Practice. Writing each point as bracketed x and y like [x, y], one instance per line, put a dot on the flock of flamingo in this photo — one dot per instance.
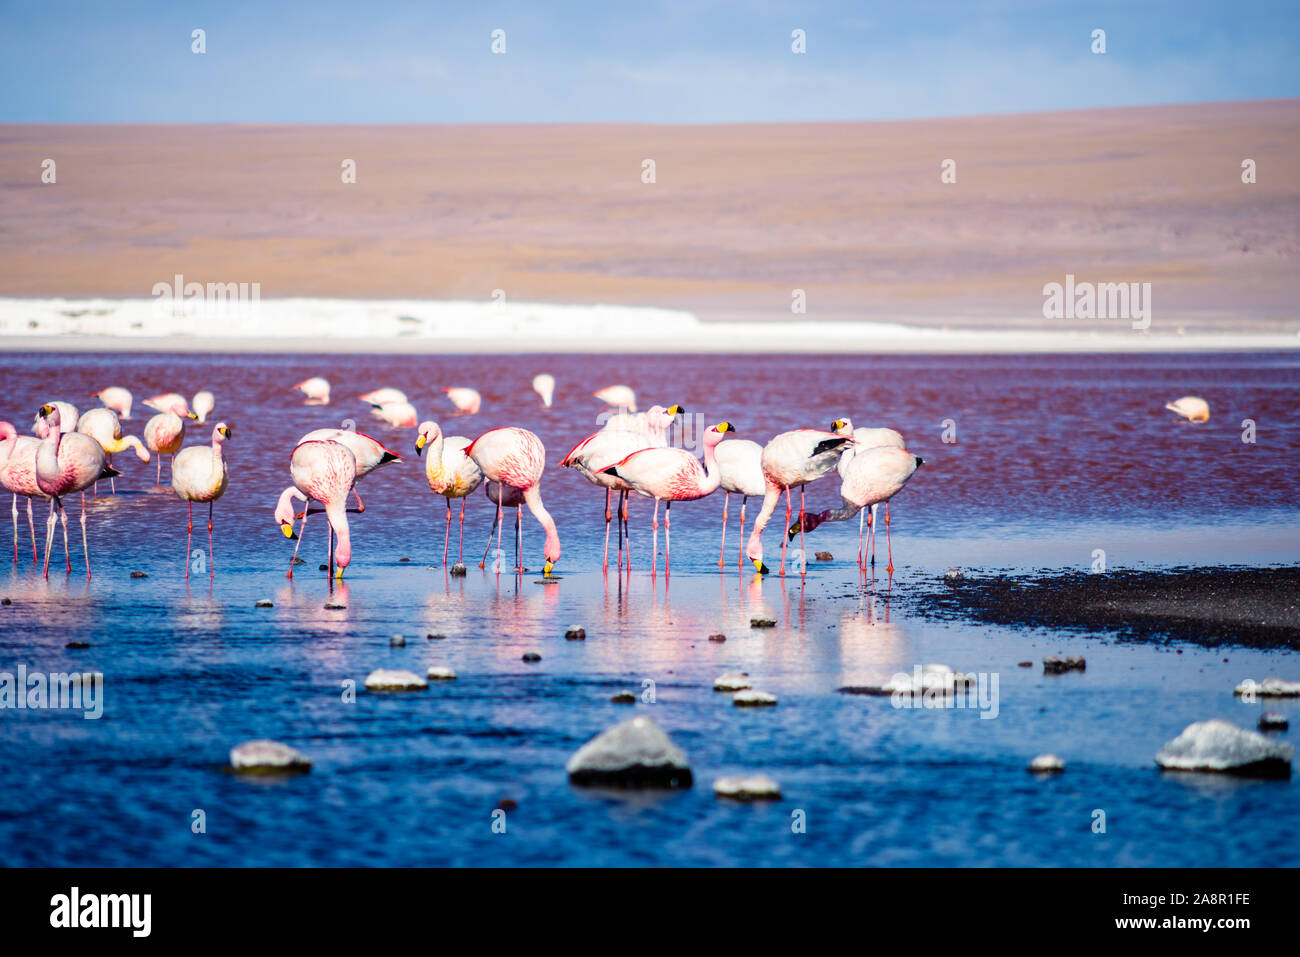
[69, 453]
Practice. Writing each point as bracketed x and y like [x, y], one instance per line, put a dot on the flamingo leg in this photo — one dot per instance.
[802, 546]
[888, 545]
[212, 565]
[627, 531]
[785, 538]
[49, 538]
[157, 481]
[654, 554]
[67, 554]
[31, 527]
[499, 531]
[460, 549]
[15, 509]
[360, 506]
[483, 563]
[189, 536]
[871, 529]
[329, 566]
[722, 544]
[668, 537]
[85, 546]
[446, 537]
[519, 539]
[608, 516]
[302, 528]
[619, 517]
[741, 560]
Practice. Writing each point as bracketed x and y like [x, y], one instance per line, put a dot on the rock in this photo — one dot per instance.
[953, 575]
[753, 699]
[732, 681]
[1025, 664]
[624, 697]
[576, 633]
[139, 575]
[922, 678]
[635, 754]
[1053, 665]
[6, 601]
[298, 561]
[264, 603]
[335, 606]
[718, 637]
[441, 673]
[433, 637]
[762, 623]
[507, 804]
[459, 571]
[1272, 721]
[531, 656]
[262, 756]
[821, 557]
[323, 568]
[403, 559]
[78, 644]
[1047, 764]
[1222, 747]
[397, 641]
[750, 787]
[384, 679]
[1269, 688]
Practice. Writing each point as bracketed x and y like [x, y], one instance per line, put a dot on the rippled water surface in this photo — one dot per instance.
[1055, 458]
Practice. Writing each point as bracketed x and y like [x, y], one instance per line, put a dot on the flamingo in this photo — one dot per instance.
[316, 390]
[400, 415]
[873, 476]
[117, 399]
[673, 475]
[199, 474]
[450, 473]
[203, 404]
[791, 459]
[369, 453]
[67, 463]
[864, 439]
[103, 426]
[598, 451]
[544, 386]
[466, 400]
[322, 472]
[165, 432]
[618, 396]
[1191, 407]
[68, 417]
[740, 464]
[516, 457]
[18, 475]
[165, 402]
[507, 497]
[384, 396]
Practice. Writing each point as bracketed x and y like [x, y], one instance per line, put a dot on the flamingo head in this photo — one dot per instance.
[842, 426]
[183, 411]
[754, 552]
[8, 433]
[221, 433]
[284, 512]
[429, 433]
[49, 417]
[716, 433]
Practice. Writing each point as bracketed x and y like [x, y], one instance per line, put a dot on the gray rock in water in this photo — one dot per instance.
[1047, 764]
[732, 681]
[623, 697]
[718, 636]
[749, 787]
[459, 571]
[397, 641]
[441, 673]
[1272, 721]
[531, 656]
[1053, 665]
[633, 754]
[139, 575]
[433, 637]
[953, 575]
[262, 756]
[753, 699]
[335, 606]
[264, 603]
[576, 633]
[385, 679]
[821, 557]
[78, 644]
[1222, 747]
[762, 623]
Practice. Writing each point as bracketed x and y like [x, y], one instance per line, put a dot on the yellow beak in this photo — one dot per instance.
[287, 528]
[419, 443]
[546, 569]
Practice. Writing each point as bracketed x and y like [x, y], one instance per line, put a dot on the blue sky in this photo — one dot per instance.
[693, 61]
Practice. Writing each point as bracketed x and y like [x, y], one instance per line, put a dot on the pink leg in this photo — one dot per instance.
[446, 537]
[85, 547]
[668, 538]
[212, 565]
[360, 507]
[460, 551]
[157, 482]
[741, 560]
[499, 529]
[16, 527]
[627, 533]
[67, 553]
[31, 527]
[802, 546]
[784, 537]
[329, 565]
[608, 516]
[189, 535]
[654, 554]
[722, 545]
[519, 539]
[49, 538]
[888, 544]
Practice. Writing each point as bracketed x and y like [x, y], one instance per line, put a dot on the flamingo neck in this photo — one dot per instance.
[284, 507]
[337, 514]
[533, 499]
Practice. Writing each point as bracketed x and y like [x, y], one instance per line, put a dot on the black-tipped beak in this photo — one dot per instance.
[762, 569]
[919, 461]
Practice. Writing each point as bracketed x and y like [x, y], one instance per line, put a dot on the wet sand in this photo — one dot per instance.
[1250, 607]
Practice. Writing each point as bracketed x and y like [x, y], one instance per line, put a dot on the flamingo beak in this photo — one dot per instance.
[676, 410]
[837, 425]
[760, 567]
[190, 415]
[338, 573]
[419, 444]
[287, 528]
[225, 431]
[46, 409]
[546, 569]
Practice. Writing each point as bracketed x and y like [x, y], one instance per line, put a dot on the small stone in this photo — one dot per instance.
[822, 557]
[1052, 665]
[749, 787]
[264, 603]
[324, 568]
[397, 641]
[459, 571]
[262, 756]
[576, 633]
[1269, 688]
[78, 644]
[933, 678]
[139, 575]
[531, 656]
[1047, 764]
[384, 679]
[507, 804]
[403, 559]
[441, 673]
[1224, 748]
[753, 699]
[624, 697]
[718, 637]
[953, 575]
[334, 606]
[762, 623]
[6, 601]
[433, 637]
[732, 681]
[1025, 664]
[298, 561]
[635, 754]
[1272, 721]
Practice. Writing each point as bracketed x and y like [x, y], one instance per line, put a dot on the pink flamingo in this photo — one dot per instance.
[673, 475]
[516, 457]
[67, 463]
[740, 463]
[203, 404]
[544, 386]
[384, 396]
[791, 459]
[323, 472]
[864, 439]
[400, 415]
[117, 399]
[873, 476]
[165, 432]
[618, 396]
[18, 475]
[166, 401]
[199, 474]
[370, 453]
[104, 427]
[450, 473]
[465, 400]
[316, 390]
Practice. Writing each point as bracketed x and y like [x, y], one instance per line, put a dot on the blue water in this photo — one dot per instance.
[1057, 456]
